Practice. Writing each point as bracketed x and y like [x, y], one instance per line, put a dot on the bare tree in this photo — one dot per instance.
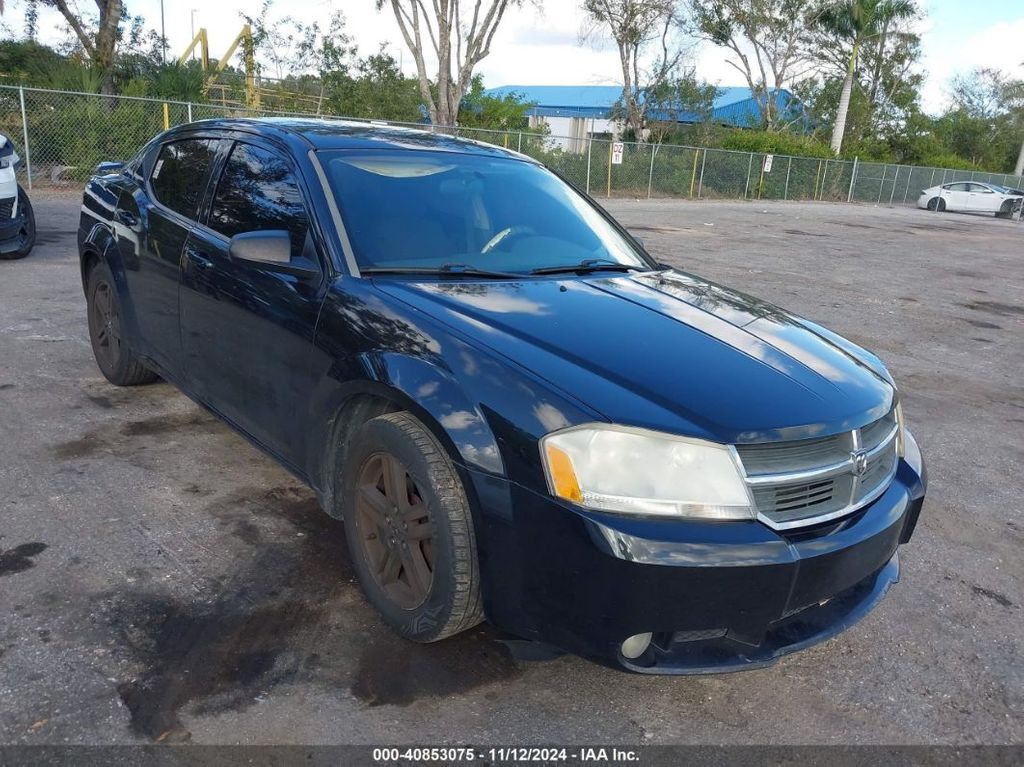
[99, 43]
[769, 41]
[647, 34]
[458, 35]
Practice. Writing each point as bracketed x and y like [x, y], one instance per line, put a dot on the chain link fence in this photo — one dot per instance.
[62, 135]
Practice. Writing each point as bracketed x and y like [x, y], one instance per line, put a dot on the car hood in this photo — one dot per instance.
[669, 351]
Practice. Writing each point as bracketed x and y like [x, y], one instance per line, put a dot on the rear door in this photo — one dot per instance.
[247, 328]
[956, 196]
[162, 211]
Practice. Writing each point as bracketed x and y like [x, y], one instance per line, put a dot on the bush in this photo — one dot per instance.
[772, 142]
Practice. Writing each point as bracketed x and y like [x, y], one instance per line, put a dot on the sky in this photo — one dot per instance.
[544, 48]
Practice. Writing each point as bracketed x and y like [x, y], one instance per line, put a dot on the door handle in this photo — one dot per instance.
[126, 218]
[199, 260]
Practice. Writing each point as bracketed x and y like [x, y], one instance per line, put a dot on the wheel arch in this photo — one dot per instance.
[458, 426]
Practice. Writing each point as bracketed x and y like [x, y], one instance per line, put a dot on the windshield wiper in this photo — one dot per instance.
[586, 267]
[445, 270]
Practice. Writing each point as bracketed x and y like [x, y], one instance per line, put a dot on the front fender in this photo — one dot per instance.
[486, 410]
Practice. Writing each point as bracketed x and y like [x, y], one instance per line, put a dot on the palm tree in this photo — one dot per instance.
[857, 22]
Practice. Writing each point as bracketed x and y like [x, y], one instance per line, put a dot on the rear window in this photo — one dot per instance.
[179, 174]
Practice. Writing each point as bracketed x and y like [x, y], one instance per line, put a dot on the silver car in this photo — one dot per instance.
[972, 197]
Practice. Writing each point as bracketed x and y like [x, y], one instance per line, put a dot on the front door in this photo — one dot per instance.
[247, 328]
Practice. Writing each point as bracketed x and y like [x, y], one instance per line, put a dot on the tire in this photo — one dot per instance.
[392, 535]
[115, 359]
[937, 204]
[27, 233]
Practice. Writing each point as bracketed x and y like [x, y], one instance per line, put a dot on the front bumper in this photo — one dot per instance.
[716, 596]
[10, 231]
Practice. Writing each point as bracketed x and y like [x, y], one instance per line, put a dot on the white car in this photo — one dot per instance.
[17, 220]
[972, 197]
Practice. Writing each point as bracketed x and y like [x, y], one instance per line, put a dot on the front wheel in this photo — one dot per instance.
[26, 237]
[410, 530]
[937, 204]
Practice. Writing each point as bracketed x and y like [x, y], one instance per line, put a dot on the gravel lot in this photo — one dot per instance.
[162, 579]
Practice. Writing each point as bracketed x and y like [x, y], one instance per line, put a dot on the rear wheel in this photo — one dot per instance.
[410, 530]
[115, 359]
[26, 237]
[937, 204]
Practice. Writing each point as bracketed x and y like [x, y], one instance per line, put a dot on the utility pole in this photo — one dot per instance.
[163, 35]
[1019, 170]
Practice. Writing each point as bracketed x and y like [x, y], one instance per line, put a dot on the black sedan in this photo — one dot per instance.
[517, 412]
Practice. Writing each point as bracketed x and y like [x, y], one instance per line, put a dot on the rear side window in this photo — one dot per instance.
[257, 191]
[179, 172]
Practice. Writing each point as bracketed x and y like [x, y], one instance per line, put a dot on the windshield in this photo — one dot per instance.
[430, 210]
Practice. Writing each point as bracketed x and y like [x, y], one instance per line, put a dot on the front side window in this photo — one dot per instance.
[425, 210]
[179, 174]
[257, 191]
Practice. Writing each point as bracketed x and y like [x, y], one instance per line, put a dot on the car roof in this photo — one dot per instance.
[348, 134]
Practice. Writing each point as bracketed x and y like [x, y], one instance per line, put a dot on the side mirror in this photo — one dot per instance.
[108, 167]
[273, 246]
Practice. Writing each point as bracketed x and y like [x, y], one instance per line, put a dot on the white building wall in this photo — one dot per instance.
[571, 133]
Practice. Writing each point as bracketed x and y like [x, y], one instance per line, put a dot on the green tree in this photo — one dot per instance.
[98, 40]
[647, 36]
[855, 23]
[457, 36]
[769, 42]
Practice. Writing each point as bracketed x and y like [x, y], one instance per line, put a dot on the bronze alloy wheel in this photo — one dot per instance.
[395, 531]
[105, 326]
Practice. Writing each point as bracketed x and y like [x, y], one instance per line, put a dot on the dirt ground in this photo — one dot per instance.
[160, 579]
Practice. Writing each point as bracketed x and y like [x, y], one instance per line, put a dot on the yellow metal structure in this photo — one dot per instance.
[244, 38]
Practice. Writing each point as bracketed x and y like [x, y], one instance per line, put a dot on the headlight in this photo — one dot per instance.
[617, 468]
[901, 432]
[9, 161]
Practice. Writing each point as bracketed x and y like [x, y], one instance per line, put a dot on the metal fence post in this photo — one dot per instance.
[881, 184]
[910, 177]
[610, 145]
[700, 183]
[750, 165]
[650, 176]
[590, 148]
[789, 168]
[190, 111]
[519, 146]
[892, 194]
[24, 135]
[853, 179]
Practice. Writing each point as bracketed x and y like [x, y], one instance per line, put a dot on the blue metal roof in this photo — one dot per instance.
[733, 105]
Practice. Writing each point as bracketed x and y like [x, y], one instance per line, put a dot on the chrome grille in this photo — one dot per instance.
[800, 483]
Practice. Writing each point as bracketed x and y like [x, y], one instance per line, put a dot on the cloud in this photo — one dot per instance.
[998, 46]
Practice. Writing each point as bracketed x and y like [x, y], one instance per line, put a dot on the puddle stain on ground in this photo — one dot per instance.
[995, 307]
[197, 422]
[984, 324]
[290, 613]
[394, 671]
[20, 558]
[995, 596]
